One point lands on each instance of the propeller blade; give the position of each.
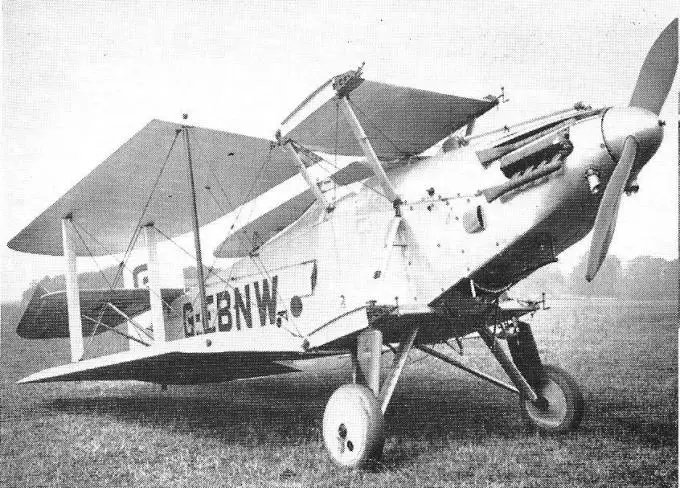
(605, 221)
(657, 72)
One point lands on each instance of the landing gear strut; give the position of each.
(550, 398)
(353, 422)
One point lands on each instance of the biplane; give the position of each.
(395, 247)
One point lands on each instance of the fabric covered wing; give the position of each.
(398, 121)
(46, 314)
(359, 170)
(106, 206)
(260, 230)
(167, 367)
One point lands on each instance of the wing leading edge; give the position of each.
(399, 121)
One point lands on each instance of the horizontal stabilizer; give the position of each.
(399, 121)
(46, 314)
(107, 205)
(165, 366)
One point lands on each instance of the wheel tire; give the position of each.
(564, 409)
(353, 426)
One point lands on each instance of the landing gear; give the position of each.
(560, 405)
(550, 399)
(353, 422)
(353, 426)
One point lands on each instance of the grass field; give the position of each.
(445, 428)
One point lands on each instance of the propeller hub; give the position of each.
(643, 125)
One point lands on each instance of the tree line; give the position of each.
(642, 278)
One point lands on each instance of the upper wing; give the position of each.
(46, 314)
(399, 121)
(229, 169)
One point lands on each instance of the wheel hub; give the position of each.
(342, 439)
(542, 403)
(559, 407)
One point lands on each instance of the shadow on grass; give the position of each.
(290, 410)
(278, 409)
(263, 413)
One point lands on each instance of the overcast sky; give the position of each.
(79, 78)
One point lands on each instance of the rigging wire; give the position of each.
(257, 261)
(241, 232)
(91, 254)
(247, 199)
(261, 269)
(375, 127)
(100, 313)
(135, 235)
(192, 256)
(254, 257)
(122, 264)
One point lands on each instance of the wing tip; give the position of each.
(671, 32)
(29, 379)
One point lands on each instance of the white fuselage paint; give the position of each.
(325, 264)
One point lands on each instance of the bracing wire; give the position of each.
(135, 235)
(123, 266)
(257, 261)
(100, 313)
(247, 199)
(91, 254)
(240, 233)
(192, 256)
(368, 120)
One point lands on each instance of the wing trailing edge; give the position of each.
(166, 365)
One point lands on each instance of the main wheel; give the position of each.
(560, 405)
(353, 426)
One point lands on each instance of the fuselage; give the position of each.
(450, 231)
